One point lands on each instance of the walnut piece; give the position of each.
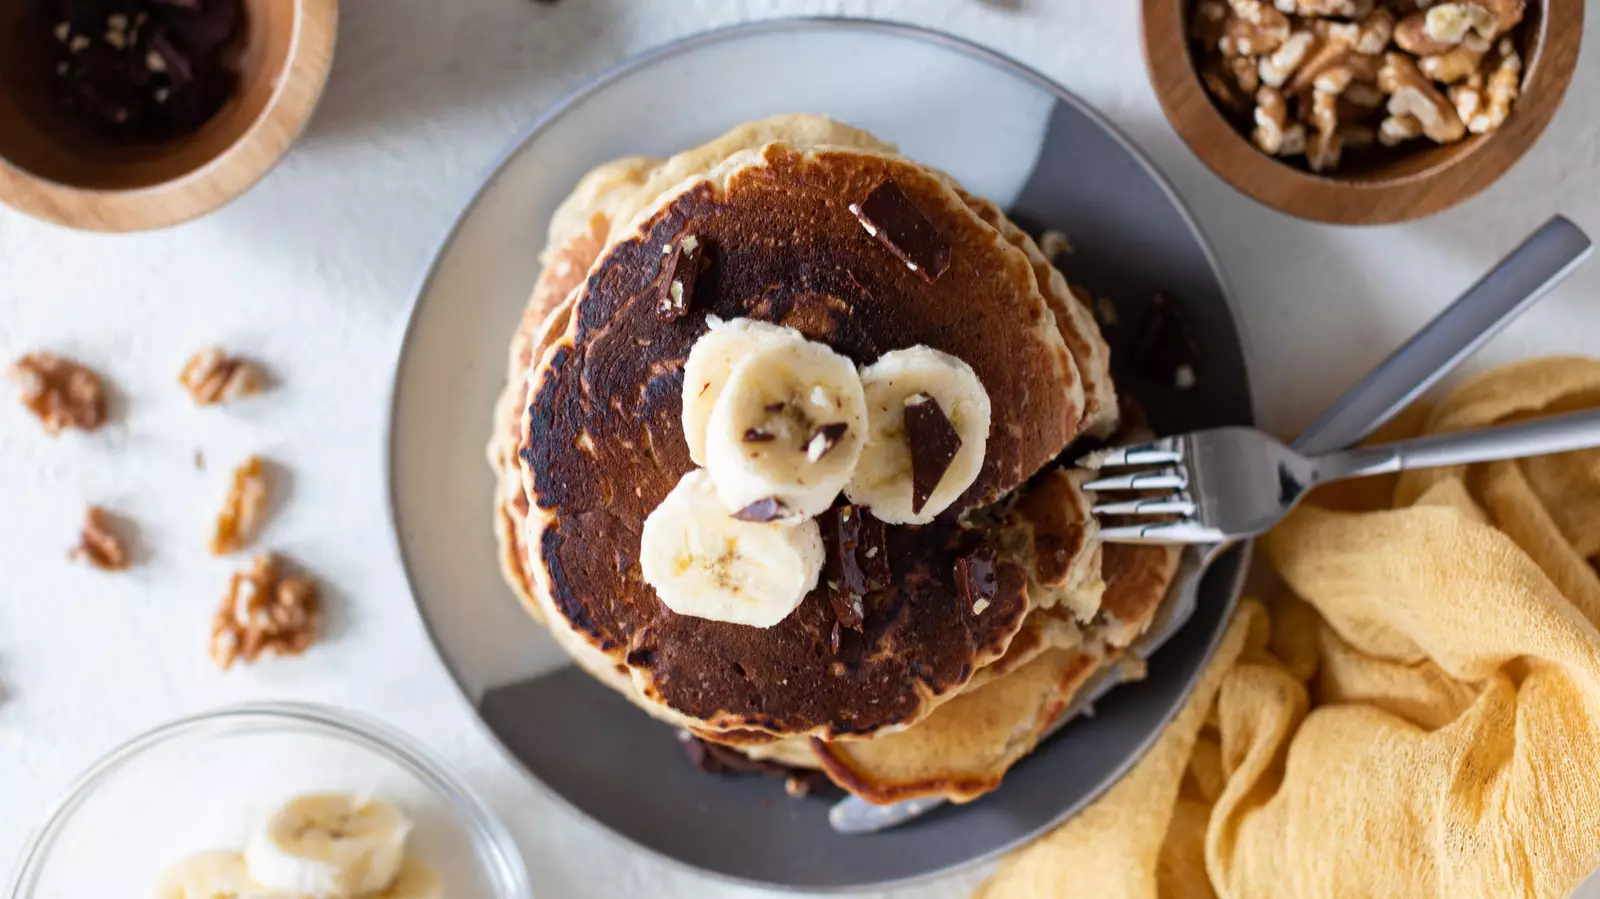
(1253, 29)
(1274, 134)
(1453, 66)
(1325, 144)
(1411, 93)
(265, 613)
(98, 543)
(212, 376)
(243, 510)
(60, 393)
(1505, 83)
(1277, 66)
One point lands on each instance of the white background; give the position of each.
(314, 272)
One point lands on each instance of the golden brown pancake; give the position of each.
(604, 444)
(577, 233)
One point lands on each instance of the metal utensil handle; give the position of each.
(1557, 434)
(1518, 281)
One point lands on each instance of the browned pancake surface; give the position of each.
(606, 444)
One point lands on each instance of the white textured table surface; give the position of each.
(313, 272)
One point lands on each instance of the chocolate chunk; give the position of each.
(714, 758)
(855, 560)
(762, 511)
(824, 439)
(679, 274)
(934, 443)
(774, 408)
(977, 579)
(1164, 349)
(847, 608)
(890, 216)
(756, 435)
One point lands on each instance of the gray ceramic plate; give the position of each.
(1003, 130)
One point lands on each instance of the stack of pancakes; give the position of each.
(931, 695)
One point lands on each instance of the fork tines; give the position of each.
(1172, 477)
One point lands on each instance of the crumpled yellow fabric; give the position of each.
(1418, 714)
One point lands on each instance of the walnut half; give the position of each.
(243, 510)
(98, 543)
(265, 613)
(212, 376)
(60, 393)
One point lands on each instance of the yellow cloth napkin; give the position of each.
(1420, 718)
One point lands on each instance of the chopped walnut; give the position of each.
(264, 613)
(1277, 66)
(212, 376)
(1274, 133)
(1254, 28)
(1396, 130)
(1453, 66)
(98, 543)
(1325, 143)
(243, 510)
(60, 393)
(1411, 93)
(1505, 83)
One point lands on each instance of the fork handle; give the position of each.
(1558, 434)
(1514, 284)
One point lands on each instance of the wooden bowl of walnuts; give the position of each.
(1361, 112)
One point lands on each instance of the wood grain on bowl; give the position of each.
(1403, 187)
(54, 169)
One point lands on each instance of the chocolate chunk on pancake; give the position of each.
(604, 443)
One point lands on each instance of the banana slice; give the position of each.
(329, 846)
(884, 478)
(711, 362)
(706, 563)
(212, 875)
(787, 429)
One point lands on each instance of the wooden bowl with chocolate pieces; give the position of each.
(128, 115)
(1361, 111)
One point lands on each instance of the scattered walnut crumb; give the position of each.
(60, 393)
(98, 544)
(212, 376)
(264, 613)
(199, 460)
(243, 509)
(1054, 244)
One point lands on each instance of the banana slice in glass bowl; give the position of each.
(271, 801)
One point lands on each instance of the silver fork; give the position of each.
(1235, 483)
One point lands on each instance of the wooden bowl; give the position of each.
(1408, 185)
(52, 168)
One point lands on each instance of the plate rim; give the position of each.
(642, 60)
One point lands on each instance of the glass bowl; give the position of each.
(205, 781)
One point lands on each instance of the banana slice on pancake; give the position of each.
(786, 432)
(711, 362)
(704, 562)
(927, 429)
